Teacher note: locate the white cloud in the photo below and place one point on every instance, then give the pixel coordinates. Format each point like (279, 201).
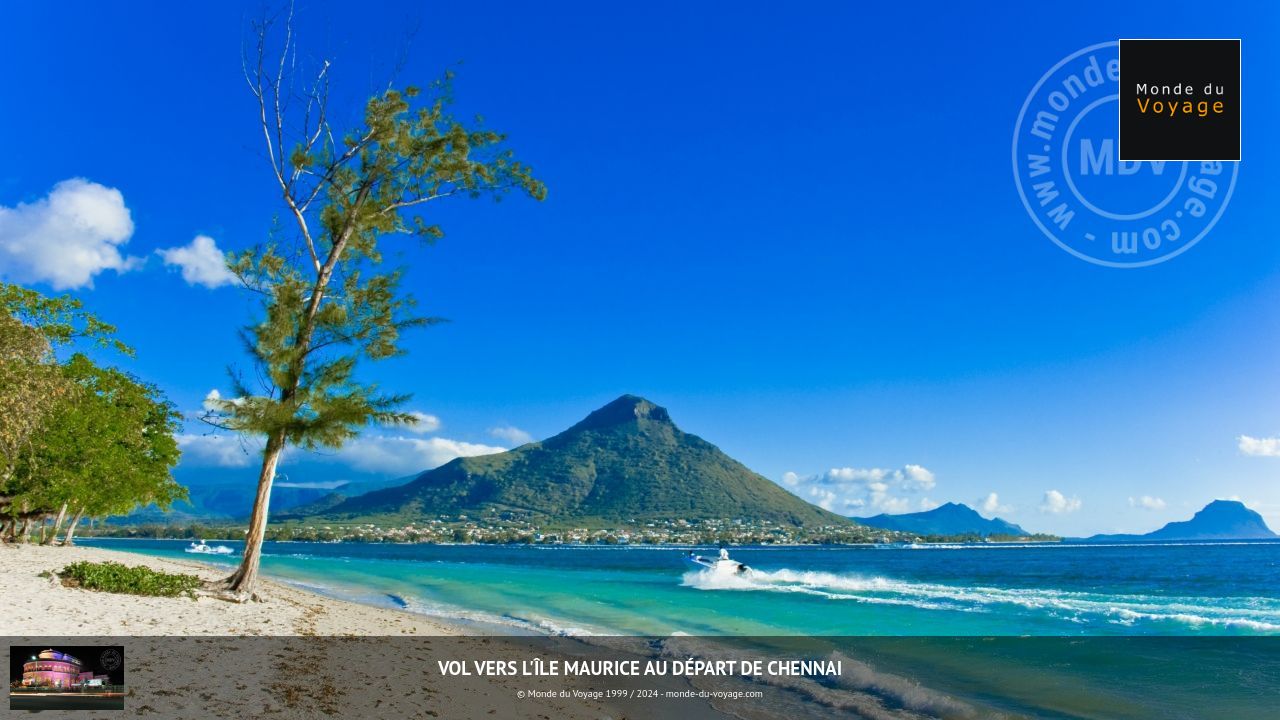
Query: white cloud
(391, 455)
(910, 476)
(1260, 447)
(426, 423)
(222, 450)
(991, 505)
(865, 491)
(396, 455)
(919, 478)
(66, 238)
(201, 261)
(1058, 504)
(213, 401)
(848, 474)
(511, 434)
(1147, 502)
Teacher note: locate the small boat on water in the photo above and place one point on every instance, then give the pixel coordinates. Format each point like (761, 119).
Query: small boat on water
(722, 564)
(203, 548)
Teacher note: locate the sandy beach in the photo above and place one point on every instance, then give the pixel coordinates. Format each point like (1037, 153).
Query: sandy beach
(295, 655)
(33, 605)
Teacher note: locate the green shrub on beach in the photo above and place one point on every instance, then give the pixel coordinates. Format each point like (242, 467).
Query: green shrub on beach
(118, 578)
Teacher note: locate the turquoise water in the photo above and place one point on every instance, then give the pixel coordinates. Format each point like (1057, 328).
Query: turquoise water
(1097, 632)
(1017, 590)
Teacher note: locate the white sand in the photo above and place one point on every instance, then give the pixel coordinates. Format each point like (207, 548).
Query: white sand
(32, 605)
(313, 656)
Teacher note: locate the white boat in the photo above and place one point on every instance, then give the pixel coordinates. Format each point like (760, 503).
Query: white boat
(203, 548)
(719, 565)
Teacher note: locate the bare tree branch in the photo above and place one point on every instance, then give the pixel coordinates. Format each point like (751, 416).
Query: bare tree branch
(260, 84)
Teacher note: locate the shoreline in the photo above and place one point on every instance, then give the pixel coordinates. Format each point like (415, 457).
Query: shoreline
(331, 637)
(473, 605)
(205, 656)
(1073, 542)
(304, 653)
(659, 546)
(33, 605)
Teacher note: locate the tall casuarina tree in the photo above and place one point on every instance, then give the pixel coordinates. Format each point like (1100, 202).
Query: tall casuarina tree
(328, 299)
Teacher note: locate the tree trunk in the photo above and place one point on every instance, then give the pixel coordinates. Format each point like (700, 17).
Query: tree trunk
(25, 536)
(242, 582)
(57, 526)
(71, 529)
(244, 579)
(44, 527)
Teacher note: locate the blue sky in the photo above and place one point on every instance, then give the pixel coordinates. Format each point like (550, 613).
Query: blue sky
(796, 228)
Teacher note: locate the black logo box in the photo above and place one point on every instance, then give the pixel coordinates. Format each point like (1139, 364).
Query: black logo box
(1186, 67)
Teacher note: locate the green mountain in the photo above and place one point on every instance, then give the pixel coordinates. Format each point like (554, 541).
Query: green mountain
(624, 463)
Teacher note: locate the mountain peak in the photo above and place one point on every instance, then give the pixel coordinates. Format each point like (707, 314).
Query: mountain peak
(1219, 520)
(948, 519)
(624, 463)
(625, 409)
(957, 510)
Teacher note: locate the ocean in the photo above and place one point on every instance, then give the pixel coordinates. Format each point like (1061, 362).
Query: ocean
(1053, 631)
(1215, 588)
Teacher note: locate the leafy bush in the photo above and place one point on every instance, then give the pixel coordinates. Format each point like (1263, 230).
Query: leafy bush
(118, 578)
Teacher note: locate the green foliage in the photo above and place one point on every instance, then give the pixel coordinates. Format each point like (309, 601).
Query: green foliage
(62, 320)
(30, 387)
(31, 325)
(188, 531)
(75, 437)
(106, 448)
(627, 462)
(329, 300)
(118, 578)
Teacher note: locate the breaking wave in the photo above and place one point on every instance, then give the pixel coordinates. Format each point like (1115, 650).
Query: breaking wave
(1154, 613)
(506, 623)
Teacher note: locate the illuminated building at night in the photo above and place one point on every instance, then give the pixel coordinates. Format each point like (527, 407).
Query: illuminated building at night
(51, 668)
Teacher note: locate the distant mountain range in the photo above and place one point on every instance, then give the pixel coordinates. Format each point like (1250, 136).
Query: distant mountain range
(227, 500)
(948, 519)
(1219, 520)
(626, 462)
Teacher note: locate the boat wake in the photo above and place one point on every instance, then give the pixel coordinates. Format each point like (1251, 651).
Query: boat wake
(1136, 613)
(203, 548)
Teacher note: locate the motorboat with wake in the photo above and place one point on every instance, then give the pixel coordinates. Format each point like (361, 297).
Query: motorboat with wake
(719, 565)
(203, 548)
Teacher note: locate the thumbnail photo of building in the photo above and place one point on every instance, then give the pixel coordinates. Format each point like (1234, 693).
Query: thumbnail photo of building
(66, 677)
(54, 669)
